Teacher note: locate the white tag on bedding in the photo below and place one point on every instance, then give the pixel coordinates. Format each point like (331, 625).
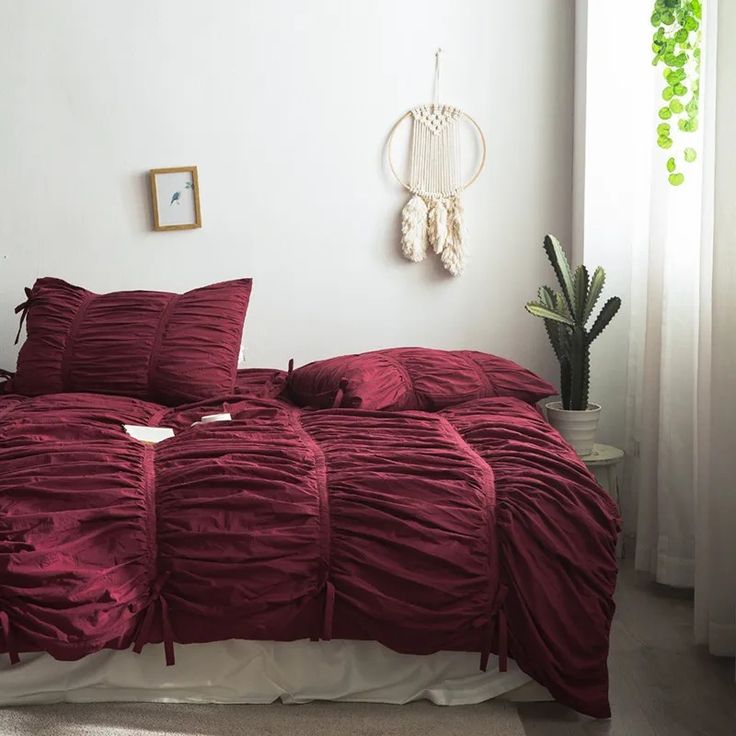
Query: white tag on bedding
(152, 435)
(207, 418)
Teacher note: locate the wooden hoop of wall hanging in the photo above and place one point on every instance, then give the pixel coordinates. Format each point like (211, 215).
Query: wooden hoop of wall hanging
(471, 180)
(433, 219)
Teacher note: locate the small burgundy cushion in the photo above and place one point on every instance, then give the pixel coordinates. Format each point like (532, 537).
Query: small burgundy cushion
(153, 345)
(261, 383)
(413, 378)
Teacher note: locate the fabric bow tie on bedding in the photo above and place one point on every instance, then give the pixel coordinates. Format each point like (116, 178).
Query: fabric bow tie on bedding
(23, 309)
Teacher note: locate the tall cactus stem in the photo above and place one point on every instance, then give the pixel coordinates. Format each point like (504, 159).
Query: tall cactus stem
(577, 369)
(565, 382)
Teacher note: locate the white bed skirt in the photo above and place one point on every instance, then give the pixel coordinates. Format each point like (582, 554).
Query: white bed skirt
(263, 672)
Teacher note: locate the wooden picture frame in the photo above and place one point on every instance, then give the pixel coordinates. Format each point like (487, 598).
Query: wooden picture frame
(175, 198)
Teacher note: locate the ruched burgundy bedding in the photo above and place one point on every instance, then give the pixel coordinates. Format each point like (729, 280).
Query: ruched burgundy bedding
(151, 345)
(473, 528)
(412, 378)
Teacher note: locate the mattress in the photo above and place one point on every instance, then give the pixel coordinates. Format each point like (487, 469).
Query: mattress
(263, 672)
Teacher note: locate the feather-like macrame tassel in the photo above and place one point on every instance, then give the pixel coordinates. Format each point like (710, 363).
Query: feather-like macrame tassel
(453, 255)
(438, 225)
(414, 229)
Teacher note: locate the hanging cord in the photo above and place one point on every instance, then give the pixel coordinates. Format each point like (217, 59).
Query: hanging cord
(437, 62)
(424, 145)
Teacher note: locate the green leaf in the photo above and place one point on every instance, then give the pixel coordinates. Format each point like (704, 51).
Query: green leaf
(667, 93)
(539, 310)
(561, 305)
(664, 142)
(676, 106)
(581, 283)
(691, 24)
(556, 331)
(606, 314)
(665, 113)
(676, 179)
(656, 18)
(690, 155)
(594, 291)
(672, 59)
(561, 267)
(681, 36)
(546, 296)
(671, 164)
(679, 89)
(663, 129)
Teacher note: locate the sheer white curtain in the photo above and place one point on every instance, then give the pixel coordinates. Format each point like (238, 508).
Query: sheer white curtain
(677, 360)
(715, 531)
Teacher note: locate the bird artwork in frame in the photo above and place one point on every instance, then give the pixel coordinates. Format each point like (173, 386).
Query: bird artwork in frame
(175, 198)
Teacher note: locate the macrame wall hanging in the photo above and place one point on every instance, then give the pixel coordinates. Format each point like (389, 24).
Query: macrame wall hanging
(433, 217)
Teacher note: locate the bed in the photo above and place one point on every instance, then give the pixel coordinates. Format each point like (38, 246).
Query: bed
(373, 528)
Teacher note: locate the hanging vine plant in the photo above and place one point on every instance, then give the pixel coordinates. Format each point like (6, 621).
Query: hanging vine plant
(676, 45)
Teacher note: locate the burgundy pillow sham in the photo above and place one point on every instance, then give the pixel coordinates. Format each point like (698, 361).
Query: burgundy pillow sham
(153, 345)
(412, 378)
(262, 383)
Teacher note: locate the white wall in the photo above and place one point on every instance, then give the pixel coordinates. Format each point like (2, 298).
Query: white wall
(284, 106)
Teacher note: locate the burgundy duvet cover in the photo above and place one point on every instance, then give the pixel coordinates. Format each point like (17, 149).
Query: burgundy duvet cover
(474, 528)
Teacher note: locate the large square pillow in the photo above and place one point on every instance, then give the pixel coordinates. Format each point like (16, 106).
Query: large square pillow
(153, 345)
(412, 378)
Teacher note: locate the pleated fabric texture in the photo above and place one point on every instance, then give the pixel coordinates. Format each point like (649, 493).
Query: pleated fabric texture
(158, 346)
(412, 378)
(474, 529)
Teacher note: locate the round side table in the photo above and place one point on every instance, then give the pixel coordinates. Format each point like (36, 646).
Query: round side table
(606, 464)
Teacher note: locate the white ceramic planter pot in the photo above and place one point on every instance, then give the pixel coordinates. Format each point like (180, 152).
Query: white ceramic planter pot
(577, 427)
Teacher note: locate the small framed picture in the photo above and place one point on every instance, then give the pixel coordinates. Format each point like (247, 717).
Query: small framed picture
(175, 198)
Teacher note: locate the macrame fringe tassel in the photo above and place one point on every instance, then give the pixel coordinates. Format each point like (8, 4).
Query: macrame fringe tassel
(453, 254)
(437, 230)
(439, 223)
(414, 229)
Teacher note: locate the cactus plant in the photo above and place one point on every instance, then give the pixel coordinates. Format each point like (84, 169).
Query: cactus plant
(565, 314)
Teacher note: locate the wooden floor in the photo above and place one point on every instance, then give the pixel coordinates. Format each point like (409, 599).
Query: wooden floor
(661, 684)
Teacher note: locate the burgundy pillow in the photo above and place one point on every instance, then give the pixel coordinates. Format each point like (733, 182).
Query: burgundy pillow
(412, 378)
(261, 383)
(153, 345)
